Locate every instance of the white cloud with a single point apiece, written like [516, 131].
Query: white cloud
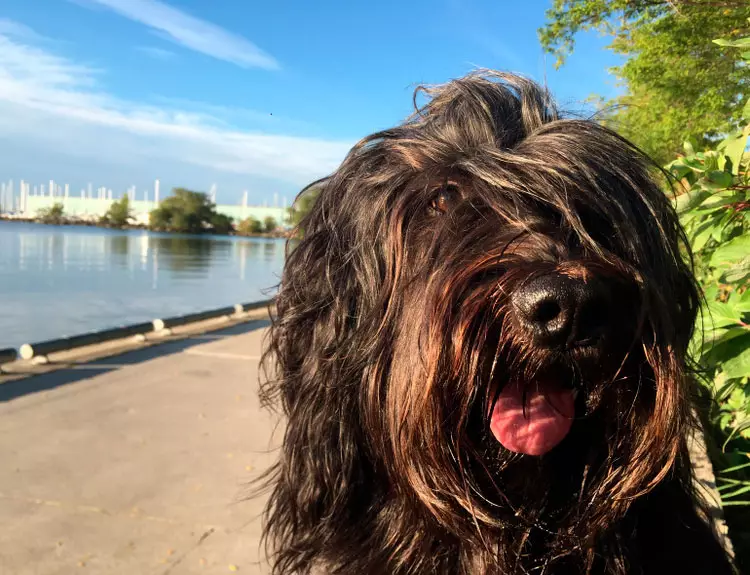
[156, 53]
[49, 100]
[191, 32]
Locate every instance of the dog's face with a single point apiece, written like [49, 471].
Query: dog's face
[531, 316]
[490, 305]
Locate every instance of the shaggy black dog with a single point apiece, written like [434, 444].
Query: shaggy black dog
[479, 347]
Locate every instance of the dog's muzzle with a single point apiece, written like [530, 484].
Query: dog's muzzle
[559, 315]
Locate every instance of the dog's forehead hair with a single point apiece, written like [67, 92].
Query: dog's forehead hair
[521, 162]
[503, 137]
[523, 166]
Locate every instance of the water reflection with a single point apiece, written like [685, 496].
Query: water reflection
[187, 254]
[175, 253]
[56, 280]
[120, 245]
[269, 251]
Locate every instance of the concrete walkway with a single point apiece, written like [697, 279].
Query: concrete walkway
[137, 464]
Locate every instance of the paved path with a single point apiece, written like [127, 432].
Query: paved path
[137, 464]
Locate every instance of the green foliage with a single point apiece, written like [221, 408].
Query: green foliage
[679, 85]
[221, 224]
[54, 215]
[269, 225]
[249, 226]
[302, 206]
[714, 209]
[118, 214]
[189, 212]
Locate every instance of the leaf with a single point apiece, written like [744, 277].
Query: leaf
[720, 199]
[737, 274]
[679, 171]
[723, 393]
[722, 163]
[741, 302]
[712, 161]
[702, 235]
[738, 366]
[688, 147]
[734, 148]
[695, 163]
[711, 292]
[719, 179]
[724, 337]
[721, 314]
[736, 492]
[727, 351]
[736, 401]
[732, 251]
[736, 467]
[689, 200]
[746, 109]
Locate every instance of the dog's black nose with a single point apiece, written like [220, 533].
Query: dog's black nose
[560, 311]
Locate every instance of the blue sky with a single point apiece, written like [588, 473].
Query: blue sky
[257, 96]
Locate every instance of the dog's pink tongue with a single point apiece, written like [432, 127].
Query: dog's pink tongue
[545, 423]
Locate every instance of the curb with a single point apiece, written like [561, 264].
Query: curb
[29, 351]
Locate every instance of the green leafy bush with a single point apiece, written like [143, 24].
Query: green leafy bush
[221, 224]
[302, 206]
[714, 208]
[119, 213]
[54, 215]
[189, 212]
[249, 226]
[269, 225]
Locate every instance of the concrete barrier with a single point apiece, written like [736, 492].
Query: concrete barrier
[176, 321]
[33, 350]
[245, 307]
[170, 322]
[7, 355]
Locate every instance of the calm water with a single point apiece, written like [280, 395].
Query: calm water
[57, 281]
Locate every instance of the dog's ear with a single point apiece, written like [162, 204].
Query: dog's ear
[314, 363]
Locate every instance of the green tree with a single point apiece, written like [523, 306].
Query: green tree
[250, 226]
[269, 225]
[187, 211]
[54, 215]
[118, 214]
[221, 224]
[302, 205]
[679, 85]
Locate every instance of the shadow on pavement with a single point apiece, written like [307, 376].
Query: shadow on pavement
[46, 381]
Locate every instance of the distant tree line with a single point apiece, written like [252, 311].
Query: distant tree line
[185, 211]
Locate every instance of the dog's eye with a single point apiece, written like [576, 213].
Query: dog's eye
[445, 198]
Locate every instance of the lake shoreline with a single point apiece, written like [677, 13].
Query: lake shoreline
[80, 222]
